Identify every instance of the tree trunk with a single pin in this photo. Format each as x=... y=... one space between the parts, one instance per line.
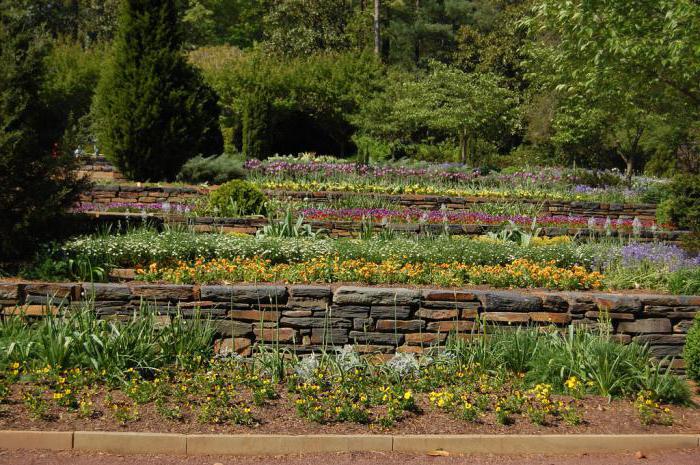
x=416 y=45
x=463 y=147
x=377 y=30
x=630 y=157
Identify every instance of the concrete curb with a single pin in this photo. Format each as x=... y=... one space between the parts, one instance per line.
x=272 y=444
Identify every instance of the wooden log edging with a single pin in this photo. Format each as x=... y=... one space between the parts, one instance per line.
x=309 y=318
x=279 y=444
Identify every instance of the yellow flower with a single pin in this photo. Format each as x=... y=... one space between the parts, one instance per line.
x=407 y=395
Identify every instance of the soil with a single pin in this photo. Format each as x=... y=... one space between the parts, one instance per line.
x=33 y=457
x=279 y=417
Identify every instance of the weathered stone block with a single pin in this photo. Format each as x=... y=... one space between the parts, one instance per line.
x=437 y=305
x=430 y=314
x=376 y=338
x=362 y=324
x=53 y=290
x=508 y=301
x=666 y=351
x=594 y=315
x=400 y=325
x=682 y=326
x=425 y=338
x=283 y=335
x=617 y=303
x=310 y=292
x=349 y=311
x=10 y=292
x=553 y=302
x=375 y=296
x=550 y=317
x=329 y=336
x=103 y=291
x=245 y=294
x=448 y=296
x=254 y=315
x=647 y=325
x=297 y=313
x=315 y=322
x=232 y=328
x=447 y=326
x=660 y=339
x=400 y=312
x=311 y=304
x=410 y=349
x=164 y=292
x=506 y=317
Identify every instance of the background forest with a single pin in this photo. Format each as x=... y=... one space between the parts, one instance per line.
x=491 y=83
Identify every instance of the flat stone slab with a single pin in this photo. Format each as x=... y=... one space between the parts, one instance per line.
x=375 y=296
x=245 y=294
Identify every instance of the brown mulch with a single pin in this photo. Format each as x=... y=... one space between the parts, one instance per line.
x=279 y=417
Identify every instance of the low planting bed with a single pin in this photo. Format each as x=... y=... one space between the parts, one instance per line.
x=151 y=371
x=354 y=224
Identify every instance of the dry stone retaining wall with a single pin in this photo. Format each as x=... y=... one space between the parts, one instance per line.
x=111 y=193
x=353 y=229
x=375 y=320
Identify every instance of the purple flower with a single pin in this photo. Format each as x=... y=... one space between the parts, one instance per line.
x=668 y=256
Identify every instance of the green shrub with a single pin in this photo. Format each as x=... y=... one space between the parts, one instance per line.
x=596 y=178
x=214 y=170
x=238 y=197
x=691 y=352
x=681 y=205
x=37 y=175
x=152 y=109
x=72 y=76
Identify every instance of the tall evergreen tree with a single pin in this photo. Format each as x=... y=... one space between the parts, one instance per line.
x=37 y=177
x=153 y=110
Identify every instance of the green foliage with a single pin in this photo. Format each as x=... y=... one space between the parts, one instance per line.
x=72 y=76
x=36 y=173
x=302 y=27
x=237 y=197
x=618 y=78
x=144 y=246
x=234 y=22
x=256 y=120
x=443 y=102
x=681 y=205
x=691 y=351
x=289 y=105
x=213 y=170
x=81 y=340
x=153 y=111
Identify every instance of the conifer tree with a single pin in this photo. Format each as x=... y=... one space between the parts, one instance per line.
x=37 y=176
x=152 y=109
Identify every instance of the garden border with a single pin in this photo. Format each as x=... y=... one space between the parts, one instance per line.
x=263 y=444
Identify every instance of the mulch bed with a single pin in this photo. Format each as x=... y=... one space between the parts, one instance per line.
x=279 y=417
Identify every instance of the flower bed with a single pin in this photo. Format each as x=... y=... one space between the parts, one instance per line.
x=79 y=370
x=443 y=179
x=519 y=273
x=480 y=259
x=415 y=215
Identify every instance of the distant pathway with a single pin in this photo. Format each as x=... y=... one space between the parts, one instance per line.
x=680 y=457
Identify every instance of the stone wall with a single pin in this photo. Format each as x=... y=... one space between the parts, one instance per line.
x=375 y=320
x=549 y=207
x=353 y=228
x=111 y=193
